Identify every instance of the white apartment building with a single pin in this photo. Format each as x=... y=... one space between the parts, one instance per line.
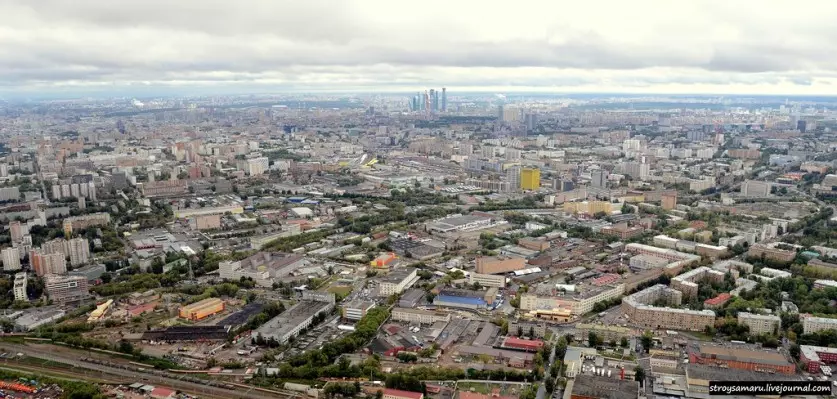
x=20 y=287
x=11 y=259
x=256 y=166
x=814 y=324
x=78 y=249
x=754 y=188
x=419 y=316
x=397 y=281
x=760 y=323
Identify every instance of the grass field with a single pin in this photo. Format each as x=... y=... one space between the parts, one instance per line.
x=341 y=290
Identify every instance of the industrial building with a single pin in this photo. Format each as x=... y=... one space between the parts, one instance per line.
x=355 y=310
x=419 y=316
x=202 y=309
x=466 y=299
x=263 y=267
x=487 y=280
x=390 y=393
x=816 y=357
x=458 y=223
x=396 y=281
x=298 y=317
x=528 y=345
x=740 y=358
x=497 y=265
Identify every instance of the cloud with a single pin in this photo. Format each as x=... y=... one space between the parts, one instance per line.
x=368 y=44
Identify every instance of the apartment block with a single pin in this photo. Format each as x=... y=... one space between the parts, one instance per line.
x=759 y=323
x=11 y=259
x=773 y=253
x=62 y=289
x=813 y=324
x=637 y=307
x=19 y=288
x=687 y=283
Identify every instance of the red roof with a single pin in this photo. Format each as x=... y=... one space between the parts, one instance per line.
x=403 y=394
x=477 y=395
x=160 y=392
x=527 y=343
x=721 y=298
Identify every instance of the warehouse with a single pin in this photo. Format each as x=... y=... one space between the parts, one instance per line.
x=202 y=309
x=528 y=345
x=460 y=299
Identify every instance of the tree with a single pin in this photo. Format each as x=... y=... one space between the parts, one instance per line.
x=550 y=384
x=647 y=341
x=593 y=339
x=640 y=375
x=623 y=342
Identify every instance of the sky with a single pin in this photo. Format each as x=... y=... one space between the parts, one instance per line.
x=609 y=46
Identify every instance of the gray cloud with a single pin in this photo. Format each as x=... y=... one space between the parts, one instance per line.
x=321 y=43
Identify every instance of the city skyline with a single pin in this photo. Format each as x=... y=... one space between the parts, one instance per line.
x=371 y=46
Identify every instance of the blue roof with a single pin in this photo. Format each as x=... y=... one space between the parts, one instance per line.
x=460 y=299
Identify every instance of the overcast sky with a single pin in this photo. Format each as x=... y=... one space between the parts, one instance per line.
x=670 y=46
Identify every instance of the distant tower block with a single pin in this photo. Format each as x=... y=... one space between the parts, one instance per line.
x=669 y=201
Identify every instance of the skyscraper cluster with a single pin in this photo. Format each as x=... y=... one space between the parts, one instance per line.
x=430 y=101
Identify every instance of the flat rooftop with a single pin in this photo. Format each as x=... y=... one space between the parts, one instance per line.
x=743 y=355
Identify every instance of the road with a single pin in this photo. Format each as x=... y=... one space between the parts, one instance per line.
x=546 y=376
x=49 y=352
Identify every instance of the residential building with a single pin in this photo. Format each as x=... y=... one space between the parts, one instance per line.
x=640 y=311
x=687 y=283
x=773 y=253
x=811 y=324
x=622 y=230
x=759 y=323
x=73 y=223
x=754 y=188
x=530 y=178
x=11 y=259
x=19 y=288
x=78 y=249
x=62 y=289
x=44 y=264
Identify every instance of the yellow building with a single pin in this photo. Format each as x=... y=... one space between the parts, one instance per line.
x=559 y=315
x=588 y=207
x=202 y=309
x=97 y=314
x=530 y=178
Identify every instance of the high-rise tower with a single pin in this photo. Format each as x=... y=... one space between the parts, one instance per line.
x=444 y=99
